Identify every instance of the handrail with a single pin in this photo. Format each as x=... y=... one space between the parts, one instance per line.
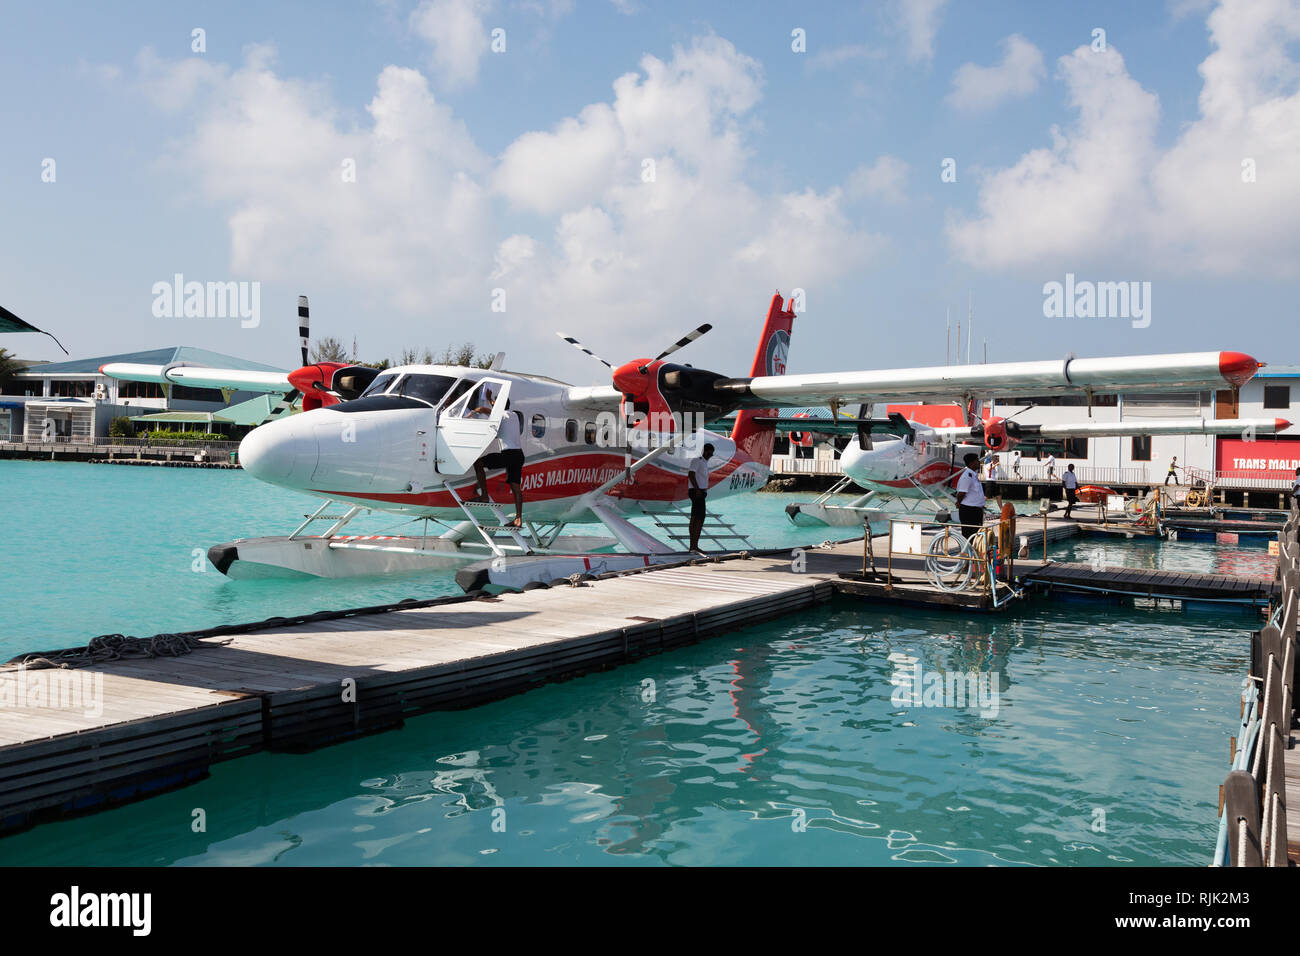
x=1254 y=793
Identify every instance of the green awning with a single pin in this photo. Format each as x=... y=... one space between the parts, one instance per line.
x=206 y=418
x=253 y=411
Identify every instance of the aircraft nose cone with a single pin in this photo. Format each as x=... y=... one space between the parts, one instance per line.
x=269 y=453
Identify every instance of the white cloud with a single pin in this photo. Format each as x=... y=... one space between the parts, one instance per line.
x=455 y=30
x=271 y=151
x=1105 y=190
x=919 y=22
x=618 y=260
x=977 y=87
x=1083 y=190
x=885 y=179
x=695 y=243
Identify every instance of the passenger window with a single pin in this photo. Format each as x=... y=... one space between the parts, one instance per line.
x=589 y=433
x=571 y=432
x=539 y=425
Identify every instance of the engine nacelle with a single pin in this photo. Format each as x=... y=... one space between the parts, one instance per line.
x=995 y=434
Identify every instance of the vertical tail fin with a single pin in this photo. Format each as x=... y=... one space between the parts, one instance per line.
x=770 y=359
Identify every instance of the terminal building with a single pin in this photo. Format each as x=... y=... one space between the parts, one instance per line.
x=74 y=402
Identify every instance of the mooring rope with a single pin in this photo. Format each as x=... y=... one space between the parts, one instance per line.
x=115 y=647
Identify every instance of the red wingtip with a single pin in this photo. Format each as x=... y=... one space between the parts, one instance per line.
x=1238 y=367
x=1281 y=424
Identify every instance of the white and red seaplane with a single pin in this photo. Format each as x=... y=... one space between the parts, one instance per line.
x=404 y=440
x=914 y=465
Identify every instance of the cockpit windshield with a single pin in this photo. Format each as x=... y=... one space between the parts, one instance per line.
x=427 y=388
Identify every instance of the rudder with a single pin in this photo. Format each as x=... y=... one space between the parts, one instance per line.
x=773 y=350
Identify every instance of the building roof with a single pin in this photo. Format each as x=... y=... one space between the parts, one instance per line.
x=205 y=417
x=1279 y=371
x=166 y=356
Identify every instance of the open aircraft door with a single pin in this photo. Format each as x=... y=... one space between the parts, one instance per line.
x=462 y=434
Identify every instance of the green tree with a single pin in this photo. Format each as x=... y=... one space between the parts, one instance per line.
x=328 y=349
x=10 y=364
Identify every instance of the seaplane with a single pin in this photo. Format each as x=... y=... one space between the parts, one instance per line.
x=915 y=465
x=405 y=440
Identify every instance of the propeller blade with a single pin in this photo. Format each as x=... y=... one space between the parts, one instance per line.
x=304 y=327
x=285 y=406
x=684 y=340
x=582 y=348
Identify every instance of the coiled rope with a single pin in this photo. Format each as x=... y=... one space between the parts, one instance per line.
x=116 y=647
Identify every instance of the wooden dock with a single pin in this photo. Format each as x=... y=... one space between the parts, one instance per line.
x=1146 y=583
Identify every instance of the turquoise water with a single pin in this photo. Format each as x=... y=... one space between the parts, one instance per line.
x=119 y=548
x=778 y=744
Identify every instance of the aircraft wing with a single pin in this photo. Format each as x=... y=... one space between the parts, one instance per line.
x=1162 y=426
x=196 y=376
x=1188 y=370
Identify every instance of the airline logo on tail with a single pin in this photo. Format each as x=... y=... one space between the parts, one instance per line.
x=777 y=352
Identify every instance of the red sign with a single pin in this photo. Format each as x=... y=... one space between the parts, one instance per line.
x=936 y=416
x=1265 y=458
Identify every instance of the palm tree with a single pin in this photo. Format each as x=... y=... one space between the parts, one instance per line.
x=10 y=365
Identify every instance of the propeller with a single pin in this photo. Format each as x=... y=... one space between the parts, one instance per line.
x=582 y=348
x=304 y=335
x=686 y=339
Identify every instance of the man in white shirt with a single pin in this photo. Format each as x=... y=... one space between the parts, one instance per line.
x=697 y=489
x=1015 y=463
x=510 y=457
x=970 y=496
x=1051 y=467
x=1070 y=482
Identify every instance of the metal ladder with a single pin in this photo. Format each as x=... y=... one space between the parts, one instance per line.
x=497 y=511
x=317 y=515
x=670 y=528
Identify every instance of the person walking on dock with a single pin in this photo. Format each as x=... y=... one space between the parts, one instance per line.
x=992 y=490
x=970 y=496
x=698 y=490
x=1015 y=463
x=1070 y=482
x=1051 y=467
x=1173 y=471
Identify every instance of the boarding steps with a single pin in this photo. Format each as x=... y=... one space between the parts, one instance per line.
x=488 y=531
x=675 y=525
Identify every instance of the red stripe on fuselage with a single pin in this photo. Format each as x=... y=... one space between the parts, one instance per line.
x=554 y=479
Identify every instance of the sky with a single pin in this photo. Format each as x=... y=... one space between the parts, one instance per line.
x=431 y=172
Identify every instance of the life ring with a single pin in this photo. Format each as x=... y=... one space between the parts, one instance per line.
x=1194 y=499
